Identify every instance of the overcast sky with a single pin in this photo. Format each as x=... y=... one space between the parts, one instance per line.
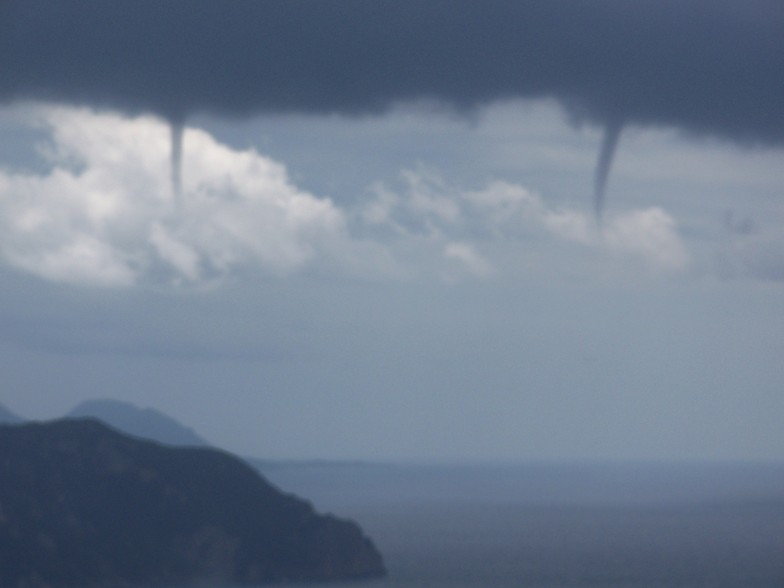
x=382 y=242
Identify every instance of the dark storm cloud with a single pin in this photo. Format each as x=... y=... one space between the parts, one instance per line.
x=706 y=66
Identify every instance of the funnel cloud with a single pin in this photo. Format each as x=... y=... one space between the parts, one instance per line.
x=177 y=127
x=612 y=133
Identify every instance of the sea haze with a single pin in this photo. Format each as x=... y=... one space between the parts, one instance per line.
x=619 y=525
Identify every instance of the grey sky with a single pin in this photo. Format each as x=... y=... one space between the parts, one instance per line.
x=413 y=284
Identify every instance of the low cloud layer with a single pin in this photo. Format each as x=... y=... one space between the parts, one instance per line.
x=709 y=66
x=106 y=214
x=501 y=212
x=751 y=250
x=103 y=212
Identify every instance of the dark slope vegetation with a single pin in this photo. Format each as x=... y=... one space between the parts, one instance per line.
x=82 y=505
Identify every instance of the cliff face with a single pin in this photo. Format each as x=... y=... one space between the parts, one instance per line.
x=82 y=505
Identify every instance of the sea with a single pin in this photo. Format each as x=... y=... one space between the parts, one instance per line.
x=600 y=525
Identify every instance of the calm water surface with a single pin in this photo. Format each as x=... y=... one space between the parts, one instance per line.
x=633 y=526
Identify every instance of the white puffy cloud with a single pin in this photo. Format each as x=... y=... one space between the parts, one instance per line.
x=106 y=214
x=468 y=258
x=503 y=212
x=427 y=196
x=650 y=235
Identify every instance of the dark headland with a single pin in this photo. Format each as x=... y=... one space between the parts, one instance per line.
x=82 y=505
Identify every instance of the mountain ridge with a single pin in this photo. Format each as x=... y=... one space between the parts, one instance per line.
x=145 y=423
x=92 y=507
x=8 y=417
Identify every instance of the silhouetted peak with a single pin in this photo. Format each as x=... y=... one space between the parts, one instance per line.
x=147 y=423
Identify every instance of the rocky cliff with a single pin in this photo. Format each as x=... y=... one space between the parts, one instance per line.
x=83 y=505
